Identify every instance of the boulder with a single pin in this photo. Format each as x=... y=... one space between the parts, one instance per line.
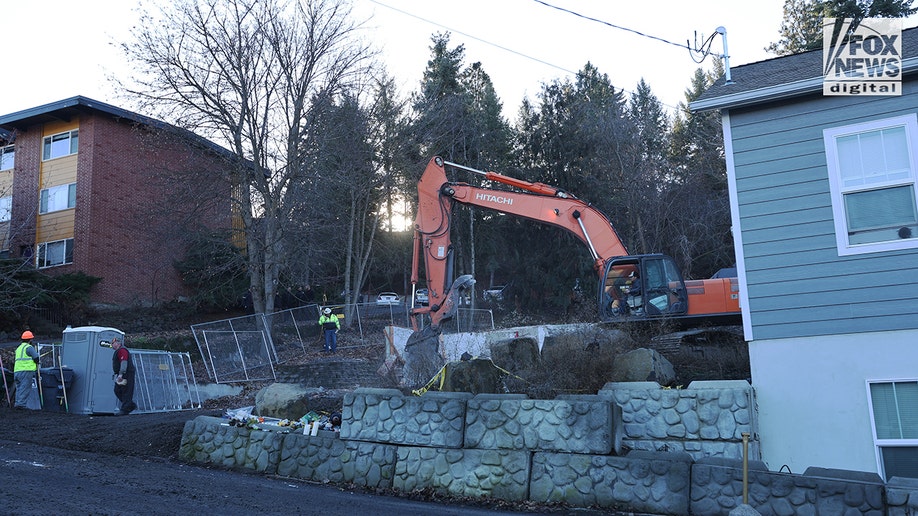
x=563 y=341
x=516 y=355
x=477 y=376
x=285 y=400
x=643 y=365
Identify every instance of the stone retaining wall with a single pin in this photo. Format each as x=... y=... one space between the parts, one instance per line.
x=707 y=419
x=562 y=450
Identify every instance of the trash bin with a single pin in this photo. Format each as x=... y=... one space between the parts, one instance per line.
x=53 y=382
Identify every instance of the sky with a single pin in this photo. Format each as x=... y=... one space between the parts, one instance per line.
x=58 y=49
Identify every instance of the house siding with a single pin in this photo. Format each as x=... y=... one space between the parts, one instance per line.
x=798 y=285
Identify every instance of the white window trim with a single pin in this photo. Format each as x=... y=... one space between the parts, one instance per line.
x=910 y=122
x=6 y=208
x=45 y=244
x=68 y=207
x=885 y=443
x=51 y=137
x=11 y=149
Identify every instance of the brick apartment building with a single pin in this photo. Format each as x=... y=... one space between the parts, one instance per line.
x=86 y=186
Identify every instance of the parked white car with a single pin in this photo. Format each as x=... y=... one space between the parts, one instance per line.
x=387 y=298
x=422 y=296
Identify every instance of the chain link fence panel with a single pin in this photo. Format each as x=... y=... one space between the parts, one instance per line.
x=249 y=348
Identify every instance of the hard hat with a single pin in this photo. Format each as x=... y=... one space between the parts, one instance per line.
x=27 y=335
x=327 y=311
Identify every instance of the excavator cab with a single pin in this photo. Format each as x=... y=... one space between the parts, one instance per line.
x=640 y=287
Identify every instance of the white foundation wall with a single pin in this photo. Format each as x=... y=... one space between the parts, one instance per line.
x=812 y=396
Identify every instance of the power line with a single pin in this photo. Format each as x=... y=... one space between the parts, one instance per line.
x=486 y=42
x=639 y=33
x=546 y=4
x=526 y=56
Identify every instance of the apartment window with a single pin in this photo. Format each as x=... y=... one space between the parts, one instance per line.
x=57 y=198
x=872 y=178
x=6 y=208
x=51 y=254
x=894 y=411
x=58 y=145
x=7 y=157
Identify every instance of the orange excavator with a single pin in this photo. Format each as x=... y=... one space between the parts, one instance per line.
x=632 y=287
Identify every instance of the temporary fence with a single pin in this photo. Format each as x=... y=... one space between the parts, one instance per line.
x=164 y=381
x=249 y=348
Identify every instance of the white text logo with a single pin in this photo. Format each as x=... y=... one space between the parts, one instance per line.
x=866 y=60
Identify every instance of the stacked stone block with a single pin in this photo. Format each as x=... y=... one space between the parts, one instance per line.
x=651 y=482
x=901 y=496
x=501 y=474
x=717 y=487
x=512 y=448
x=386 y=416
x=329 y=459
x=707 y=419
x=513 y=422
x=208 y=439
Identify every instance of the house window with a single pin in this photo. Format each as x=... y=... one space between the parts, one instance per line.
x=6 y=208
x=894 y=411
x=51 y=254
x=7 y=157
x=57 y=198
x=872 y=179
x=58 y=145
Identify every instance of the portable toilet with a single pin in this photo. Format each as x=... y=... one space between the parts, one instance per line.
x=164 y=381
x=83 y=351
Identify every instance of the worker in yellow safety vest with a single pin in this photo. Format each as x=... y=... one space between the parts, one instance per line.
x=24 y=370
x=330 y=324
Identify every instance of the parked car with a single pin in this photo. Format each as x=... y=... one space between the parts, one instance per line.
x=421 y=296
x=387 y=298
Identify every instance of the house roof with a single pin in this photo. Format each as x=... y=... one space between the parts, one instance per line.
x=783 y=77
x=68 y=108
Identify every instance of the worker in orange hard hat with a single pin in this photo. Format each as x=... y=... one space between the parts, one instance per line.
x=24 y=370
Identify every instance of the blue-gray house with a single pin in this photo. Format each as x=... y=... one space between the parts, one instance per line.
x=824 y=194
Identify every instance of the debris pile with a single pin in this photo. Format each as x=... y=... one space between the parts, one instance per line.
x=310 y=423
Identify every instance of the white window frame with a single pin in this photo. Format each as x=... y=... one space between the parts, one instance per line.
x=63 y=197
x=845 y=248
x=42 y=250
x=7 y=157
x=51 y=151
x=6 y=208
x=879 y=444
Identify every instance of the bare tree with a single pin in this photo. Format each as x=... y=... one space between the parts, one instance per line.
x=245 y=73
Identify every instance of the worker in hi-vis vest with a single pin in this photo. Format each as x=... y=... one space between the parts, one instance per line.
x=330 y=325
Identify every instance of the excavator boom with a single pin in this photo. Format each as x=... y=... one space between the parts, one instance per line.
x=543 y=203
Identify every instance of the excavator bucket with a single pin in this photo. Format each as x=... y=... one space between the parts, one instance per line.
x=422 y=351
x=450 y=305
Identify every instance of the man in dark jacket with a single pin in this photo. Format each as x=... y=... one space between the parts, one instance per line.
x=24 y=371
x=123 y=367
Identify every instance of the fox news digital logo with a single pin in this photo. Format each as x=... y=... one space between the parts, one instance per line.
x=865 y=61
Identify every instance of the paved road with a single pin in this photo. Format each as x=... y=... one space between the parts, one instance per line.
x=41 y=480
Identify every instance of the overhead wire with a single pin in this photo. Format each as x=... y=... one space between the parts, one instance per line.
x=705 y=51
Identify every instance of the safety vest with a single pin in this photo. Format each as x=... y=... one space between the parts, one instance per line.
x=329 y=322
x=23 y=361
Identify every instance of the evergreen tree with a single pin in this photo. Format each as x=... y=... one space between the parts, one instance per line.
x=700 y=195
x=802 y=27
